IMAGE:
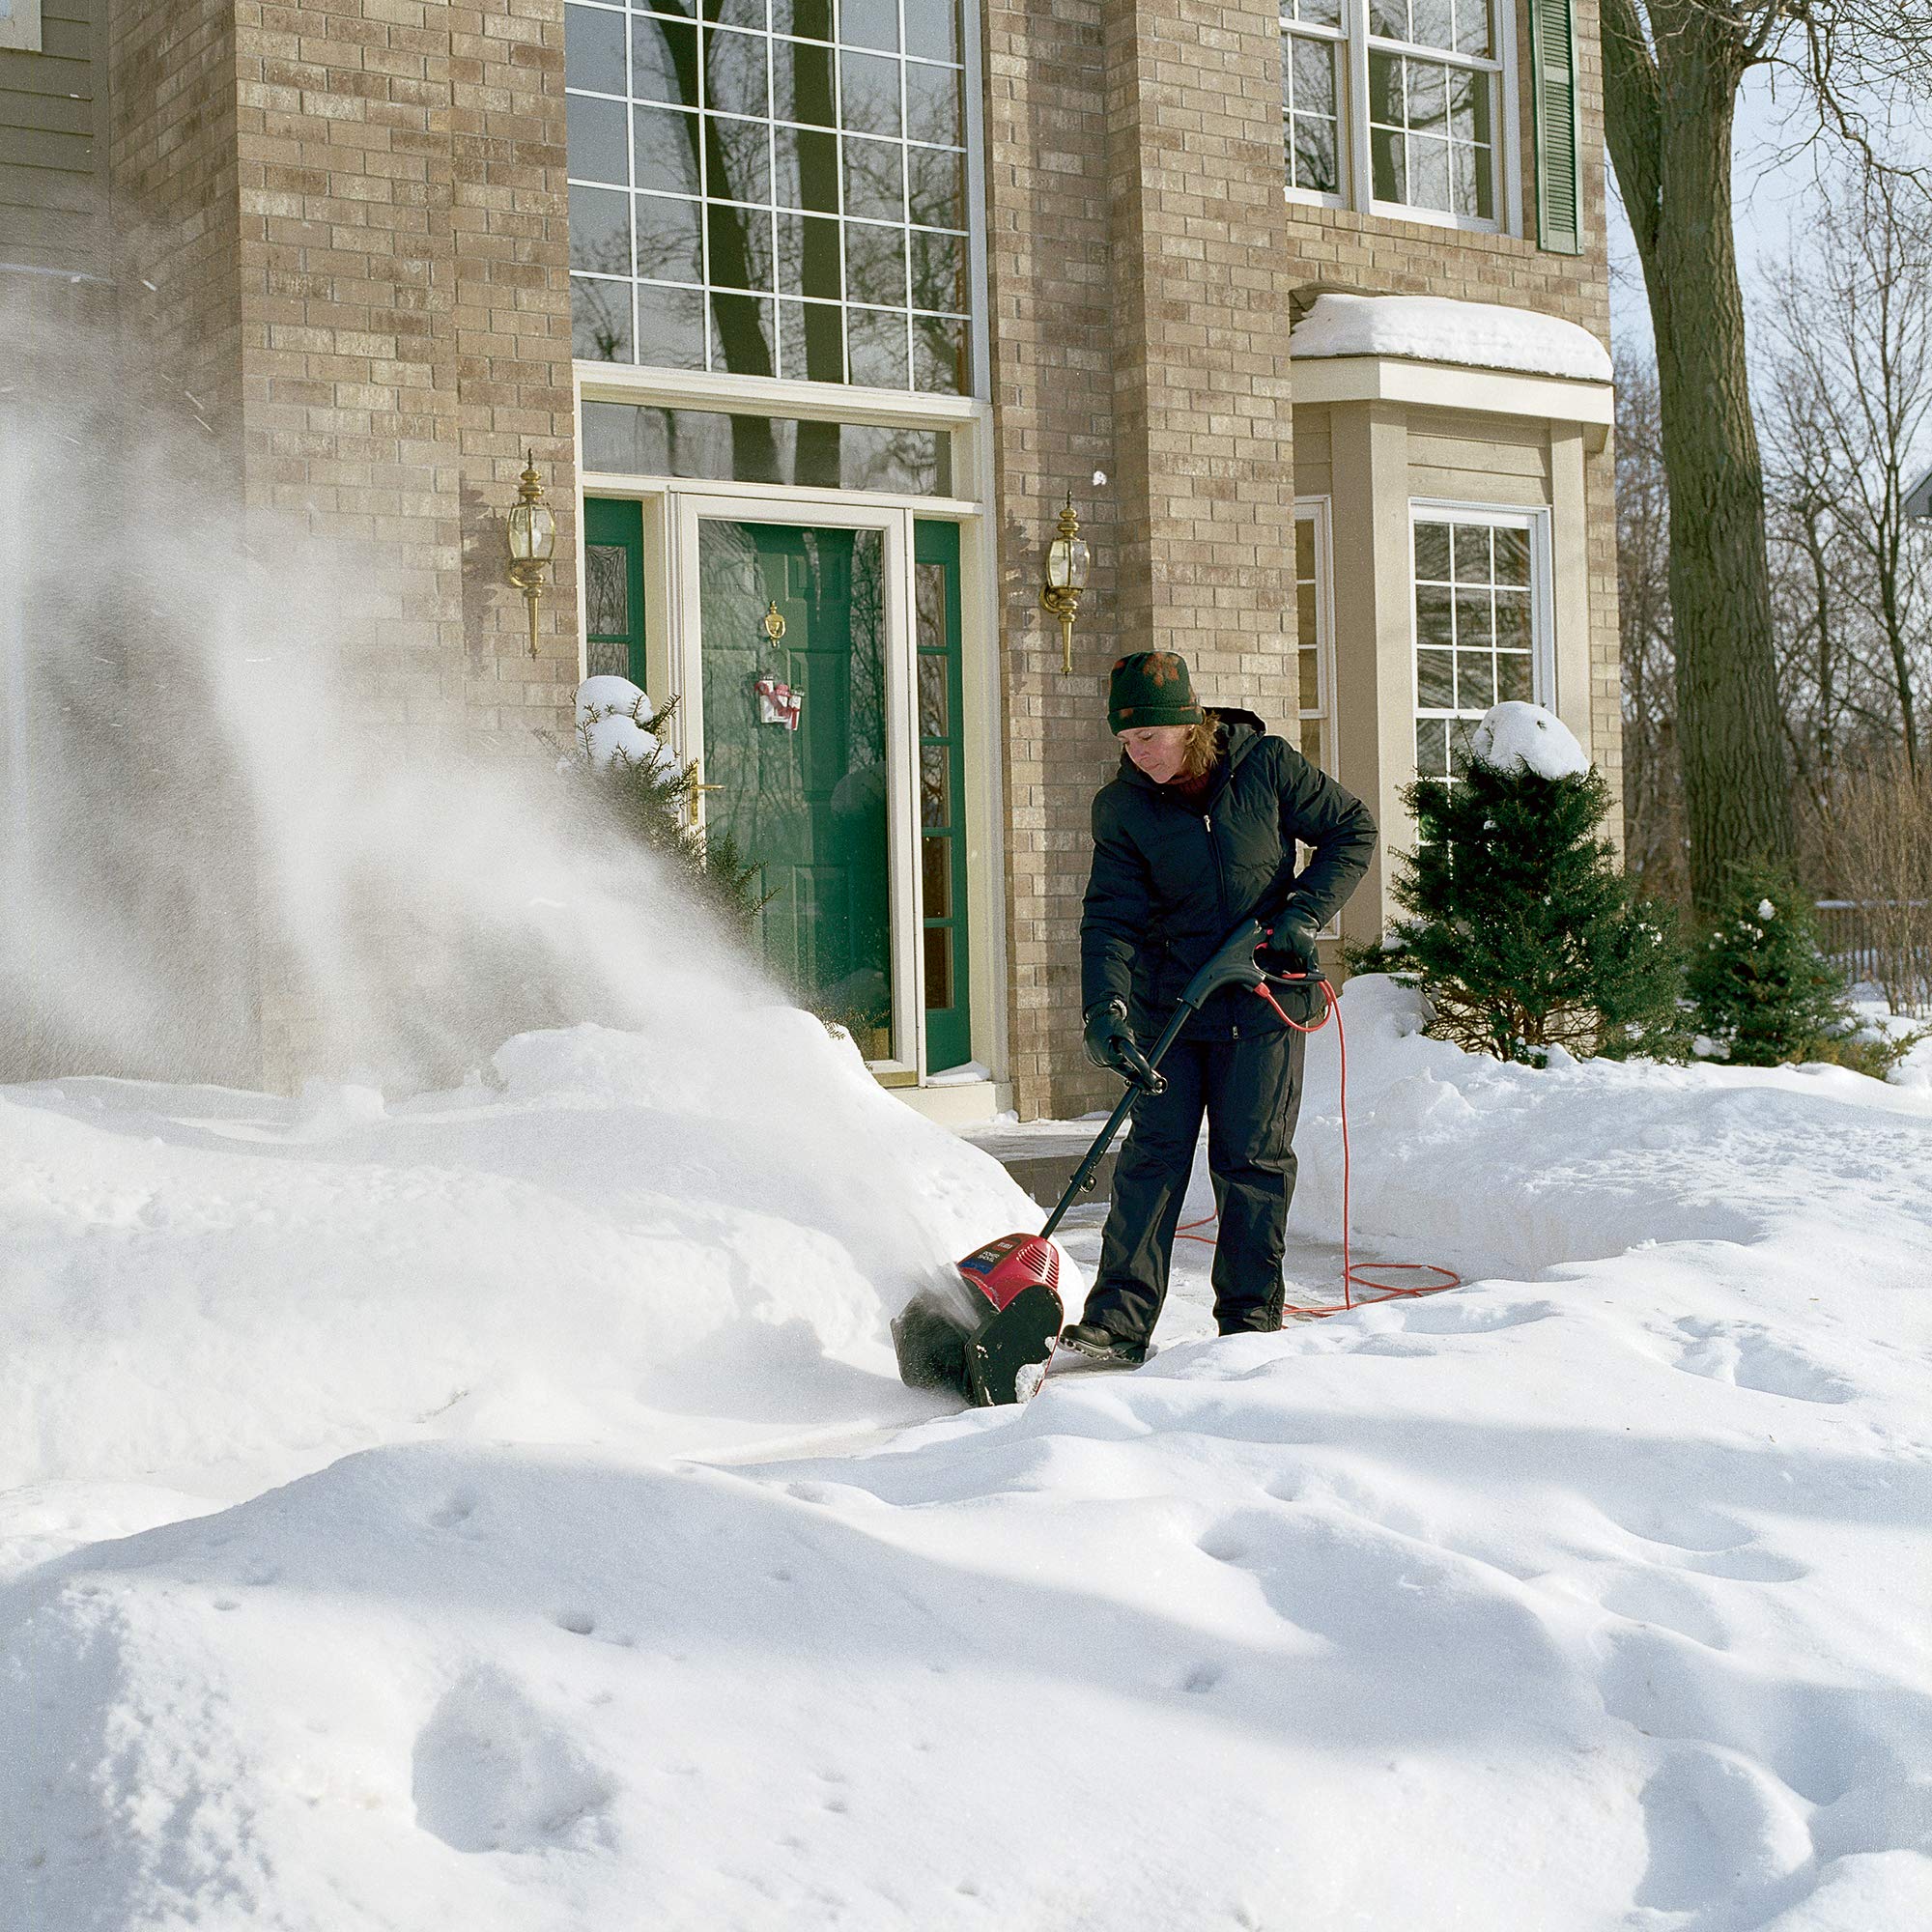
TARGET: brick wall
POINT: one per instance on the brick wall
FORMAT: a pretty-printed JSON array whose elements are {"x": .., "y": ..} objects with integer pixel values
[
  {"x": 346, "y": 240},
  {"x": 1140, "y": 279},
  {"x": 1054, "y": 353},
  {"x": 406, "y": 329},
  {"x": 172, "y": 176}
]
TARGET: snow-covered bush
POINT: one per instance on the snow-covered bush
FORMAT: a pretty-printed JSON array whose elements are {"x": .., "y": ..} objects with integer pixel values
[
  {"x": 1523, "y": 933},
  {"x": 635, "y": 785}
]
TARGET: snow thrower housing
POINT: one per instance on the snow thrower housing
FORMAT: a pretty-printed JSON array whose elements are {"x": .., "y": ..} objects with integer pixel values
[{"x": 990, "y": 1338}]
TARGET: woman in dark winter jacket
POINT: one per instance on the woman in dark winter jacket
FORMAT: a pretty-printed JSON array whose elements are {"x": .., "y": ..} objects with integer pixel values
[{"x": 1196, "y": 833}]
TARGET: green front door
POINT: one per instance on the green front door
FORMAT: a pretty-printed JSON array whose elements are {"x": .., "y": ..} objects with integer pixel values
[
  {"x": 614, "y": 590},
  {"x": 795, "y": 747}
]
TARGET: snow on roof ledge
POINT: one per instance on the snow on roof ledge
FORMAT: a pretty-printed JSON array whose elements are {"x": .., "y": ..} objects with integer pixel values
[{"x": 1435, "y": 329}]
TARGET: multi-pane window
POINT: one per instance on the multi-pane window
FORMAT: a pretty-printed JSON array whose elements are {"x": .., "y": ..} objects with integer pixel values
[
  {"x": 1475, "y": 628},
  {"x": 1312, "y": 58},
  {"x": 1312, "y": 635},
  {"x": 771, "y": 188},
  {"x": 1396, "y": 107},
  {"x": 1314, "y": 648}
]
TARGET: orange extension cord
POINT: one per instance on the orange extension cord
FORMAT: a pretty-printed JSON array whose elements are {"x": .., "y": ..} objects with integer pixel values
[{"x": 1353, "y": 1277}]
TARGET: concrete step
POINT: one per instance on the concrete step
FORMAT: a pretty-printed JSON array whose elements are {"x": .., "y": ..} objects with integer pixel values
[{"x": 1043, "y": 1159}]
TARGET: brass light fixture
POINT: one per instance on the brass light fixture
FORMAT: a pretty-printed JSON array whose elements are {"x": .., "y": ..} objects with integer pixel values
[
  {"x": 531, "y": 532},
  {"x": 1066, "y": 564}
]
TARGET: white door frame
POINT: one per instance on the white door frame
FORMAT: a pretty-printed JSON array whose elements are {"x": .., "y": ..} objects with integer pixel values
[{"x": 810, "y": 510}]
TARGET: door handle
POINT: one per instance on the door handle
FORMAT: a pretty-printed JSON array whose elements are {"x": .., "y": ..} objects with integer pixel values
[{"x": 696, "y": 778}]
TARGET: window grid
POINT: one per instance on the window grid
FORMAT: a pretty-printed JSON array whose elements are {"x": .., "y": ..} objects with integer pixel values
[
  {"x": 1475, "y": 628},
  {"x": 1314, "y": 48},
  {"x": 1421, "y": 85},
  {"x": 746, "y": 240},
  {"x": 1311, "y": 610}
]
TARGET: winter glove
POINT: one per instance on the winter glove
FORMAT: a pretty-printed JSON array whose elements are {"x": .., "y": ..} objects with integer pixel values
[
  {"x": 1111, "y": 1044},
  {"x": 1290, "y": 947}
]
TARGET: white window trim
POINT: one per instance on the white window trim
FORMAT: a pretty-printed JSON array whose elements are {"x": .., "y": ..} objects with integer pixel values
[
  {"x": 21, "y": 29},
  {"x": 1318, "y": 510},
  {"x": 1542, "y": 593},
  {"x": 1354, "y": 105},
  {"x": 1336, "y": 36}
]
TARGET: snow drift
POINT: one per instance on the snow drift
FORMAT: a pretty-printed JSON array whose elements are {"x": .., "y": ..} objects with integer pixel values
[{"x": 1590, "y": 1596}]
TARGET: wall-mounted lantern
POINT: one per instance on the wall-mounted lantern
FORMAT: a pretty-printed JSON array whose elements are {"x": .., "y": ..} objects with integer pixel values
[
  {"x": 531, "y": 531},
  {"x": 1067, "y": 560}
]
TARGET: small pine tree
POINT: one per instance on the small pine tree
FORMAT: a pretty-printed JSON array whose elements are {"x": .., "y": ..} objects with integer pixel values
[
  {"x": 648, "y": 798},
  {"x": 1523, "y": 934},
  {"x": 1761, "y": 988}
]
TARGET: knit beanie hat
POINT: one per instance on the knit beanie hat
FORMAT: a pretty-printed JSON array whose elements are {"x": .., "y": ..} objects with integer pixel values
[{"x": 1151, "y": 688}]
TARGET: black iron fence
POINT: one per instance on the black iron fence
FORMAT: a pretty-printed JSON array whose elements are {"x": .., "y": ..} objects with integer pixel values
[{"x": 1886, "y": 942}]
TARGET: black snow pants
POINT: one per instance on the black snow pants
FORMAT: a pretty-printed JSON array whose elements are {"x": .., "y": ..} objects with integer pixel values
[{"x": 1250, "y": 1090}]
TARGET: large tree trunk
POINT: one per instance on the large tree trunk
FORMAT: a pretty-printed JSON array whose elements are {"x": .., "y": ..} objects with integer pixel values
[{"x": 1670, "y": 141}]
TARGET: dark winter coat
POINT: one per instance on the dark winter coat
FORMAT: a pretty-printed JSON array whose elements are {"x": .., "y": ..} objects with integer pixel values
[{"x": 1170, "y": 879}]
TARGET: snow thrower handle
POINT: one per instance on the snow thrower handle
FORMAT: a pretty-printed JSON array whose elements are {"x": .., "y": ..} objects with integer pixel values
[{"x": 1233, "y": 964}]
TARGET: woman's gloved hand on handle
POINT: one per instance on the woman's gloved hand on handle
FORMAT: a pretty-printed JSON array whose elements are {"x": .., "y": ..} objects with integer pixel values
[
  {"x": 1111, "y": 1044},
  {"x": 1290, "y": 945}
]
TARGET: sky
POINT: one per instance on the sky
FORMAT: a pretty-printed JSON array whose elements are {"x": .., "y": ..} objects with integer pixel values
[{"x": 1774, "y": 192}]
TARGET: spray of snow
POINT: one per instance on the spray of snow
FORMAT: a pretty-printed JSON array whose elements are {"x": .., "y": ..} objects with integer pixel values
[
  {"x": 211, "y": 828},
  {"x": 1518, "y": 737},
  {"x": 231, "y": 815}
]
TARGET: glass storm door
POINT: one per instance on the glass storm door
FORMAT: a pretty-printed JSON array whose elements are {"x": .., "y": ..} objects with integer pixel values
[
  {"x": 797, "y": 689},
  {"x": 614, "y": 590}
]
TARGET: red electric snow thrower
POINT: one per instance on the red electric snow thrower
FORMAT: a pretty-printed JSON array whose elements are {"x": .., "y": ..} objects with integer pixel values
[{"x": 990, "y": 1334}]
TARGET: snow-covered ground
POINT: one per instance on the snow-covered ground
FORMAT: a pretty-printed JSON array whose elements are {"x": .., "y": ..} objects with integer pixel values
[{"x": 614, "y": 1582}]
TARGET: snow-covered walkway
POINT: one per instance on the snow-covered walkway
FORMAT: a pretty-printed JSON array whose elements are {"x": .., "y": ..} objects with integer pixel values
[{"x": 615, "y": 1583}]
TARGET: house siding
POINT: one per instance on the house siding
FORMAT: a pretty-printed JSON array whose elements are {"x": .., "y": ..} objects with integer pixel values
[{"x": 52, "y": 150}]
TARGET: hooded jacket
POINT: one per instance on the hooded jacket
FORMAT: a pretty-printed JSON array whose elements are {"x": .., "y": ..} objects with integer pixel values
[{"x": 1172, "y": 878}]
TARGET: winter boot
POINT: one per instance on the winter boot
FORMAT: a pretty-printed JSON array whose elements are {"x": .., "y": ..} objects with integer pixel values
[{"x": 1102, "y": 1345}]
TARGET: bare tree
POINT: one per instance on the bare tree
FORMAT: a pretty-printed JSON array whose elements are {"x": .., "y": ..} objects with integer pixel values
[
  {"x": 1672, "y": 69},
  {"x": 1653, "y": 785},
  {"x": 1851, "y": 360}
]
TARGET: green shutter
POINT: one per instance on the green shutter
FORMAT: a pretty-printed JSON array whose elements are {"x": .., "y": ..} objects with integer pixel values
[{"x": 1559, "y": 139}]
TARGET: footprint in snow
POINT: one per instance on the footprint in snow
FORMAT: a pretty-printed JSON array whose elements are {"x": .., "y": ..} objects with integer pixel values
[
  {"x": 455, "y": 1512},
  {"x": 1720, "y": 1829},
  {"x": 1711, "y": 1543},
  {"x": 1450, "y": 1314},
  {"x": 1747, "y": 1355},
  {"x": 1670, "y": 1600},
  {"x": 492, "y": 1774}
]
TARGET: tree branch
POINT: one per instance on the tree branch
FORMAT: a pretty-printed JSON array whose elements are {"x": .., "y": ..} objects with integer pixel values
[{"x": 1633, "y": 119}]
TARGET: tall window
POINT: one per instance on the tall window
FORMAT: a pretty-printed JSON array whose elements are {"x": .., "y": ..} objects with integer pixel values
[
  {"x": 1314, "y": 58},
  {"x": 771, "y": 188},
  {"x": 1476, "y": 625},
  {"x": 1313, "y": 635},
  {"x": 1396, "y": 107}
]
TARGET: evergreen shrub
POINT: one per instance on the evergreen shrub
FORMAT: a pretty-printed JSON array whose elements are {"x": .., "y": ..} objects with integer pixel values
[
  {"x": 644, "y": 795},
  {"x": 1523, "y": 933},
  {"x": 1761, "y": 989}
]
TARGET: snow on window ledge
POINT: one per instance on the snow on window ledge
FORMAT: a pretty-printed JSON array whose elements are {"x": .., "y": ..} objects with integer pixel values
[{"x": 1436, "y": 328}]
